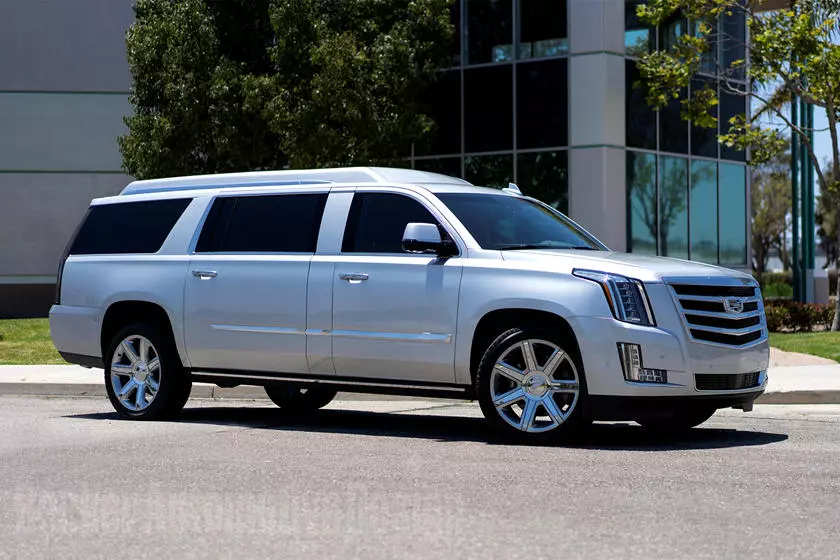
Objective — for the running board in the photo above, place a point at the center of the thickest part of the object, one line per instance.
(229, 378)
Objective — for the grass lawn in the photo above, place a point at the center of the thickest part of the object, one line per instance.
(27, 341)
(825, 344)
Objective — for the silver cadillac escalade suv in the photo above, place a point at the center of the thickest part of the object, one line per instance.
(397, 281)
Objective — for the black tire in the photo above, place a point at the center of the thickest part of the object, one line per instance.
(577, 417)
(676, 421)
(174, 385)
(299, 400)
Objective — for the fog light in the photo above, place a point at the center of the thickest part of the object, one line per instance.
(631, 363)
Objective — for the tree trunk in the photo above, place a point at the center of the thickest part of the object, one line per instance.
(835, 325)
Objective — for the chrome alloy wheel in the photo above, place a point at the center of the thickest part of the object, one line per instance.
(534, 385)
(135, 373)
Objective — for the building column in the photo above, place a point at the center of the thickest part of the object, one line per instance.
(597, 169)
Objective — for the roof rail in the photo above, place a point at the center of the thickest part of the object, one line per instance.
(290, 177)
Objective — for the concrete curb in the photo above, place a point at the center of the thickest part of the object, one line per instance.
(207, 391)
(800, 397)
(199, 391)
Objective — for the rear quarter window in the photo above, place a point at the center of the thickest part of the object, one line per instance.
(128, 227)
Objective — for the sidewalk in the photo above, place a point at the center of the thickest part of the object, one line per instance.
(812, 384)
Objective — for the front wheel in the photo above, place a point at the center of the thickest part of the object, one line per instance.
(677, 421)
(299, 400)
(531, 386)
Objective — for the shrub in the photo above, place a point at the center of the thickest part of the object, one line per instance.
(777, 290)
(769, 278)
(794, 316)
(775, 317)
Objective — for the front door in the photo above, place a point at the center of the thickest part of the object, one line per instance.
(245, 293)
(394, 313)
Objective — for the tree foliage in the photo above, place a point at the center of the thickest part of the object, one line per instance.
(241, 85)
(793, 53)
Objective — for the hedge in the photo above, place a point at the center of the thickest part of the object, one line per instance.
(797, 317)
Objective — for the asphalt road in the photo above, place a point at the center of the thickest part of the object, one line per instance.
(236, 479)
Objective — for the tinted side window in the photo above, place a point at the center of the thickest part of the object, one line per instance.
(377, 222)
(286, 223)
(128, 227)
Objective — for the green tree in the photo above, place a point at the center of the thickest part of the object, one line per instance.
(771, 202)
(793, 52)
(243, 85)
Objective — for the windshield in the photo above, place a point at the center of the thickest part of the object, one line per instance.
(510, 223)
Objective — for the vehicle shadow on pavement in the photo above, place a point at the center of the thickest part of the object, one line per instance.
(618, 437)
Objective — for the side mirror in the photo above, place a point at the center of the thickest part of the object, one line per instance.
(425, 238)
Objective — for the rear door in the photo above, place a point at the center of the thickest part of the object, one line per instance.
(245, 294)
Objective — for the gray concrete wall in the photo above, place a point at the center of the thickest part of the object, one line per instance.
(64, 45)
(64, 84)
(39, 213)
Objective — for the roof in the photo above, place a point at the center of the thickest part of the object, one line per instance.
(292, 177)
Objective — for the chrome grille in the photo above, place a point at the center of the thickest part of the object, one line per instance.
(720, 311)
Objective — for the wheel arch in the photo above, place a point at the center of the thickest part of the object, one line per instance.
(122, 313)
(497, 321)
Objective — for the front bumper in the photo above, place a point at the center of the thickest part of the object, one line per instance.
(667, 349)
(610, 408)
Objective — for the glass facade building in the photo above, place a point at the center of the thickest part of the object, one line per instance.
(502, 109)
(541, 93)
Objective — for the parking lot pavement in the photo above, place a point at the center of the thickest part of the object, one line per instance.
(408, 478)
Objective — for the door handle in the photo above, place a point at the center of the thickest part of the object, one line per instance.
(205, 274)
(354, 277)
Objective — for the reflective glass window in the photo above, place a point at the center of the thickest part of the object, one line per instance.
(670, 30)
(455, 14)
(673, 207)
(733, 214)
(708, 61)
(489, 171)
(704, 140)
(542, 104)
(638, 37)
(488, 108)
(673, 129)
(731, 105)
(545, 176)
(704, 211)
(734, 42)
(448, 166)
(444, 107)
(641, 206)
(489, 31)
(640, 118)
(542, 28)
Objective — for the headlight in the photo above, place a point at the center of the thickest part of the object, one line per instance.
(626, 296)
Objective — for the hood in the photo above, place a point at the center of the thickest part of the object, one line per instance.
(640, 267)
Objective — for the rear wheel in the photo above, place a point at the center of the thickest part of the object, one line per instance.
(144, 377)
(531, 386)
(299, 399)
(677, 421)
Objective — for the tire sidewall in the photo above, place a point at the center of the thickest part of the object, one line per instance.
(577, 421)
(174, 384)
(292, 398)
